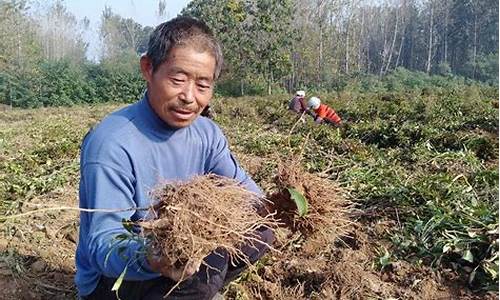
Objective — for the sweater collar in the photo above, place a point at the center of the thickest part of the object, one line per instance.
(149, 117)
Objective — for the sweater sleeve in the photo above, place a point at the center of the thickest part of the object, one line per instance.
(105, 187)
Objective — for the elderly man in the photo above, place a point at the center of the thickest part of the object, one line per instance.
(161, 137)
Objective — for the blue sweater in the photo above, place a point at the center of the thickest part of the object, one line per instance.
(130, 152)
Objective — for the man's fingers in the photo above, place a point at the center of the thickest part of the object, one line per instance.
(182, 273)
(167, 268)
(172, 273)
(192, 267)
(157, 263)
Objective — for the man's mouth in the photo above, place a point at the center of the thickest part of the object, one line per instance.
(183, 114)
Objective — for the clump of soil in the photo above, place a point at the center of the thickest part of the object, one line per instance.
(193, 219)
(328, 210)
(343, 271)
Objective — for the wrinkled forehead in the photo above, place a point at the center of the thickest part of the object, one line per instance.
(192, 62)
(198, 42)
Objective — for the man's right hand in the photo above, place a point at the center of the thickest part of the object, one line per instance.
(168, 268)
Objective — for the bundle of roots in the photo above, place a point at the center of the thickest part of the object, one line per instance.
(207, 213)
(327, 209)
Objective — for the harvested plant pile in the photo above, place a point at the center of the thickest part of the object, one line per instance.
(207, 213)
(327, 209)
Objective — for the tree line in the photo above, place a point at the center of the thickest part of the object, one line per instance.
(270, 46)
(43, 59)
(314, 43)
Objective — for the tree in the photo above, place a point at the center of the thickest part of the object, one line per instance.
(237, 24)
(20, 53)
(61, 34)
(431, 33)
(230, 22)
(275, 39)
(121, 37)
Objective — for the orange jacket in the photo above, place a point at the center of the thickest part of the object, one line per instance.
(327, 113)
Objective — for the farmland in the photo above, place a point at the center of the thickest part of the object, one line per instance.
(419, 166)
(402, 199)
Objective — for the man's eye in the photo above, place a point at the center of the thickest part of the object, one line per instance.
(203, 87)
(178, 80)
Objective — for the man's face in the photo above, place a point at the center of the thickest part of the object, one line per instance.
(182, 86)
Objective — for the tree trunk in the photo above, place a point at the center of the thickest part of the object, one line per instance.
(361, 39)
(429, 53)
(447, 15)
(411, 59)
(18, 42)
(404, 24)
(320, 56)
(474, 51)
(270, 79)
(384, 52)
(393, 42)
(132, 37)
(346, 62)
(400, 47)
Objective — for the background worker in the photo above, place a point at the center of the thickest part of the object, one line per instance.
(322, 112)
(298, 103)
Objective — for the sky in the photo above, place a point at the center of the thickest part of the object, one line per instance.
(142, 11)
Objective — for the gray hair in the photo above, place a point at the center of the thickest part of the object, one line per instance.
(183, 31)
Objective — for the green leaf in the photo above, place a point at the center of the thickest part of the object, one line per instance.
(385, 260)
(119, 281)
(492, 269)
(128, 225)
(300, 201)
(121, 237)
(468, 256)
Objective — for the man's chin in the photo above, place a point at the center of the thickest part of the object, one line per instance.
(179, 123)
(177, 120)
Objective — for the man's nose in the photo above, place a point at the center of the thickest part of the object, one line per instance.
(188, 92)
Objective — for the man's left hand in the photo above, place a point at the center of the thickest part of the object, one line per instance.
(169, 269)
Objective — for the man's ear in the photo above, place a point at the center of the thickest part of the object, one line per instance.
(146, 68)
